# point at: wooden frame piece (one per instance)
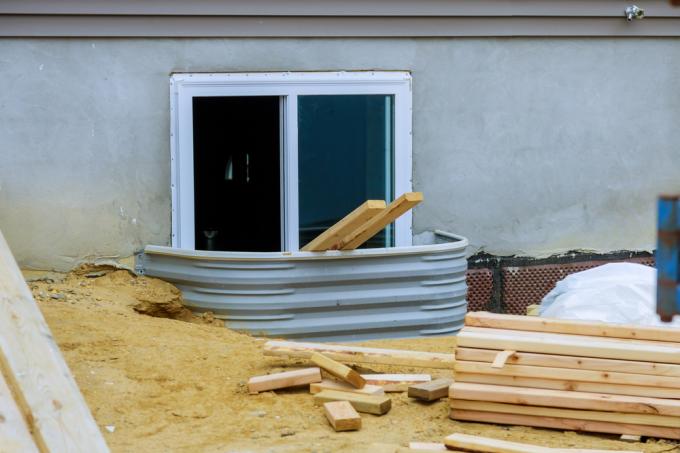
(35, 371)
(328, 384)
(357, 354)
(342, 416)
(372, 227)
(332, 237)
(338, 370)
(489, 445)
(371, 404)
(282, 380)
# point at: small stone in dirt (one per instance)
(96, 274)
(258, 413)
(57, 296)
(287, 432)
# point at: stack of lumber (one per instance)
(363, 223)
(572, 375)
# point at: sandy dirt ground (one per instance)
(167, 385)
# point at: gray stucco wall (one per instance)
(526, 146)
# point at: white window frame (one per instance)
(287, 85)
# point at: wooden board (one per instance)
(380, 221)
(501, 358)
(395, 382)
(429, 446)
(430, 391)
(563, 361)
(489, 445)
(342, 416)
(283, 380)
(614, 417)
(36, 372)
(371, 404)
(556, 384)
(565, 424)
(564, 399)
(554, 343)
(331, 238)
(357, 354)
(597, 329)
(611, 377)
(14, 433)
(338, 370)
(328, 384)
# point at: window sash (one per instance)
(288, 86)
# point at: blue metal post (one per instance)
(668, 258)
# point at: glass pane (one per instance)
(345, 157)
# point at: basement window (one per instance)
(267, 161)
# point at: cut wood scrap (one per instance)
(430, 391)
(564, 399)
(554, 343)
(395, 382)
(338, 370)
(331, 238)
(430, 446)
(559, 384)
(376, 224)
(533, 309)
(613, 417)
(630, 438)
(284, 380)
(14, 433)
(328, 384)
(489, 445)
(541, 372)
(357, 354)
(501, 358)
(563, 361)
(597, 329)
(36, 373)
(371, 404)
(564, 424)
(342, 416)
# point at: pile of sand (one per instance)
(160, 384)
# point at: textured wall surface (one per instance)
(525, 146)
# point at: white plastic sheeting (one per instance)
(623, 293)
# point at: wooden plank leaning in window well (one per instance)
(39, 378)
(329, 239)
(380, 221)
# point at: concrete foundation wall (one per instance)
(526, 146)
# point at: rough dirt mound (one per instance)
(160, 384)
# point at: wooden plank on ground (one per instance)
(328, 384)
(597, 329)
(565, 424)
(563, 361)
(329, 239)
(396, 382)
(554, 343)
(14, 433)
(564, 399)
(338, 370)
(342, 416)
(376, 224)
(371, 404)
(613, 417)
(430, 391)
(556, 384)
(36, 372)
(489, 445)
(541, 372)
(430, 446)
(282, 380)
(357, 354)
